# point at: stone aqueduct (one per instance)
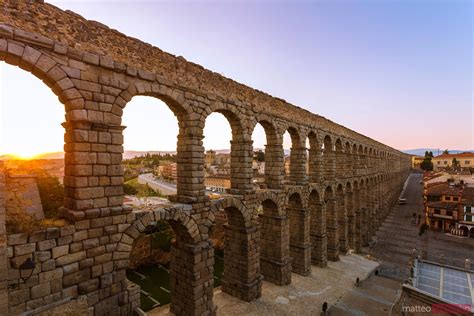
(95, 71)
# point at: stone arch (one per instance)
(318, 235)
(174, 99)
(183, 273)
(241, 153)
(273, 196)
(275, 260)
(61, 80)
(245, 216)
(331, 224)
(232, 114)
(299, 225)
(47, 69)
(291, 191)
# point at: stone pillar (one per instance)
(241, 172)
(190, 165)
(358, 221)
(93, 171)
(274, 166)
(342, 224)
(351, 220)
(355, 164)
(329, 164)
(319, 238)
(332, 230)
(300, 246)
(275, 261)
(298, 165)
(370, 212)
(191, 278)
(241, 277)
(315, 166)
(364, 216)
(340, 164)
(3, 245)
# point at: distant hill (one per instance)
(47, 156)
(436, 151)
(128, 154)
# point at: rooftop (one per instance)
(445, 189)
(451, 284)
(451, 156)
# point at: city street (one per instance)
(397, 237)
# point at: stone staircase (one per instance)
(394, 243)
(373, 296)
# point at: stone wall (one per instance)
(23, 196)
(95, 72)
(3, 244)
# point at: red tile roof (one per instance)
(450, 156)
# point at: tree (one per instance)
(446, 152)
(426, 165)
(259, 155)
(51, 193)
(455, 163)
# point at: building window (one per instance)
(468, 209)
(438, 162)
(455, 199)
(449, 213)
(468, 218)
(437, 211)
(445, 162)
(447, 198)
(467, 162)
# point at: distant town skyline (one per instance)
(399, 72)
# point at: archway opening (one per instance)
(34, 180)
(217, 162)
(32, 159)
(329, 165)
(273, 165)
(259, 139)
(149, 160)
(150, 175)
(287, 147)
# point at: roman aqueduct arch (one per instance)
(95, 71)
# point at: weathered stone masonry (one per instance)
(95, 71)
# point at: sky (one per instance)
(399, 72)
